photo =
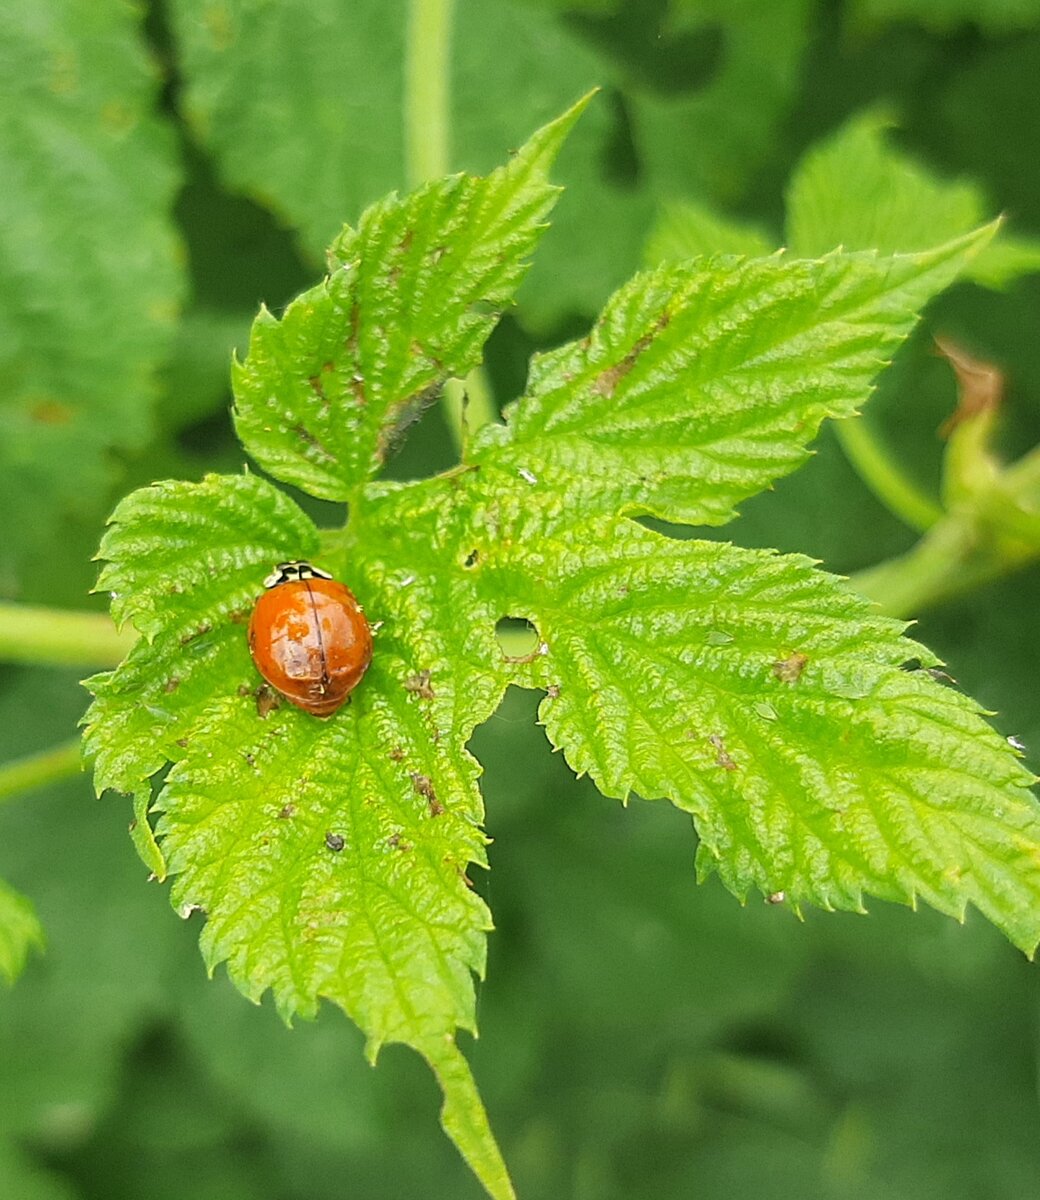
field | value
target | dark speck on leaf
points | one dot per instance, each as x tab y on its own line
200	632
396	754
335	841
172	684
287	811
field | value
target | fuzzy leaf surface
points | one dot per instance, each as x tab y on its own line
20	932
703	382
764	698
412	296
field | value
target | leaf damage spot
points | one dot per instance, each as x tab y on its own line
266	701
776	898
202	630
419	684
424	786
553	691
319	449
172	684
722	755
396	754
789	669
334	841
287	811
608	379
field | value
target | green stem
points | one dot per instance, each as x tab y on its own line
427	72
879	471
38	770
427	128
952	558
58	638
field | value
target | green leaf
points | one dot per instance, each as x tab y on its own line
330	856
701	383
764	698
412	296
688	230
20	932
86	167
855	190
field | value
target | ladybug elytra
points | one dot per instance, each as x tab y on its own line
309	638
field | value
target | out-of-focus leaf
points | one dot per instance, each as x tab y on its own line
685	229
707	143
89	277
857	191
20	932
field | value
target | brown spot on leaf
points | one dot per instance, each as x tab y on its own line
266	701
789	669
553	691
172	684
200	632
287	811
607	380
722	756
419	683
305	435
51	412
396	754
423	784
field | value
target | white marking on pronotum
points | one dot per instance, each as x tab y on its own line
526	475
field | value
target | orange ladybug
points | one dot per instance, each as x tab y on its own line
309	638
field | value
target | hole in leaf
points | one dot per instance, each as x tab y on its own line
518	638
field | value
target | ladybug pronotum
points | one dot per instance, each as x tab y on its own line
309	638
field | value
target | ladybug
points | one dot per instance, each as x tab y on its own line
309	638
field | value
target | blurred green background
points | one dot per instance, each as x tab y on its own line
163	169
